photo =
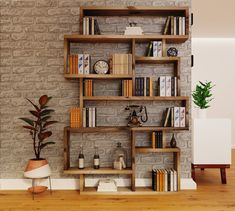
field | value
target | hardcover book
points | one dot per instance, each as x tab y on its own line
80	63
176	116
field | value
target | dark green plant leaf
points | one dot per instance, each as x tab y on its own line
45	118
42	136
45	144
46	112
35	106
35	113
49	123
29	127
29	121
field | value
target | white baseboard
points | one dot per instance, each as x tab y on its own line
73	184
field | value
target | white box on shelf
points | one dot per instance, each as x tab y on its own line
211	141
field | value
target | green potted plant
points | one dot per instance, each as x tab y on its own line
38	127
202	96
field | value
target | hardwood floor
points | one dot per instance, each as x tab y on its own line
211	195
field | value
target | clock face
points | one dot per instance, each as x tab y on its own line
101	67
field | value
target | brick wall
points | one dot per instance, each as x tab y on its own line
31	41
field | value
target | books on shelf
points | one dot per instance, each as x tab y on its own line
175	26
79	64
88	88
158	140
126	88
90	26
143	86
154	49
107	185
167	86
89	117
174	117
121	64
164	180
75	118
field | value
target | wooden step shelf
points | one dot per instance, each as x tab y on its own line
96	129
156	60
113	38
77	171
96	76
155	150
156	128
135	98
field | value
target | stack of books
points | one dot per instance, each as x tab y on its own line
89	117
90	26
75	119
175	26
88	88
164	180
143	86
107	185
174	117
157	139
121	64
167	86
79	64
154	49
126	88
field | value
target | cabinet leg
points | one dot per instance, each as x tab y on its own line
193	172
81	183
223	175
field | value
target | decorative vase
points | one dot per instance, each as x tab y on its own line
202	113
173	141
37	169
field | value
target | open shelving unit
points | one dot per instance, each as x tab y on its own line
132	40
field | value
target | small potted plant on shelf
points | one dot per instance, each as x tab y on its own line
38	127
202	96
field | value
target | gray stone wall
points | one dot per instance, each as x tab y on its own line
31	64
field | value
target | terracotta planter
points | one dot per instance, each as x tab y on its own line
37	169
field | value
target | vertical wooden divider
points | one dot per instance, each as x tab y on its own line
164	51
177	167
177	74
133	160
81	100
133	65
66	148
66	54
81	21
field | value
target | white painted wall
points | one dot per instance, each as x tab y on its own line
215	61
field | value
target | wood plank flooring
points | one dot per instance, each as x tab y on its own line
211	195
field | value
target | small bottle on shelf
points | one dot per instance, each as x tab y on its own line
81	162
96	159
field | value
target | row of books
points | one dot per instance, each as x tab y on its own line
174	117
164	180
126	88
79	64
75	120
154	49
88	88
89	117
175	26
121	64
143	86
157	139
90	26
167	86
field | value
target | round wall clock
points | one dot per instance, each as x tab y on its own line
101	67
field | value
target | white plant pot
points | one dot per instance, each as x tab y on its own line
202	113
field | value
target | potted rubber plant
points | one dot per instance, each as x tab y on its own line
38	127
202	96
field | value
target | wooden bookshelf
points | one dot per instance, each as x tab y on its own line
132	41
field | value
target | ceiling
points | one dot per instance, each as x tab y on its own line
214	18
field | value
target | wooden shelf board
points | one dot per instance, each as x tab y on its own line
133	10
152	150
156	60
155	128
96	76
125	38
135	98
96	129
76	171
123	191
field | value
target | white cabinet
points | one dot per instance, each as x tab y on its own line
211	141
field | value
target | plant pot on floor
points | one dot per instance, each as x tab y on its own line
202	113
36	169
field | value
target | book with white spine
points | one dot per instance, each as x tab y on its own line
168	86
175	185
159	48
176	116
182	116
86	63
162	86
80	63
155	48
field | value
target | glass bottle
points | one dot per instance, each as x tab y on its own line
96	159
173	141
81	162
119	157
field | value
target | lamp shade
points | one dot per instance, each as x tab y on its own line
37	169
